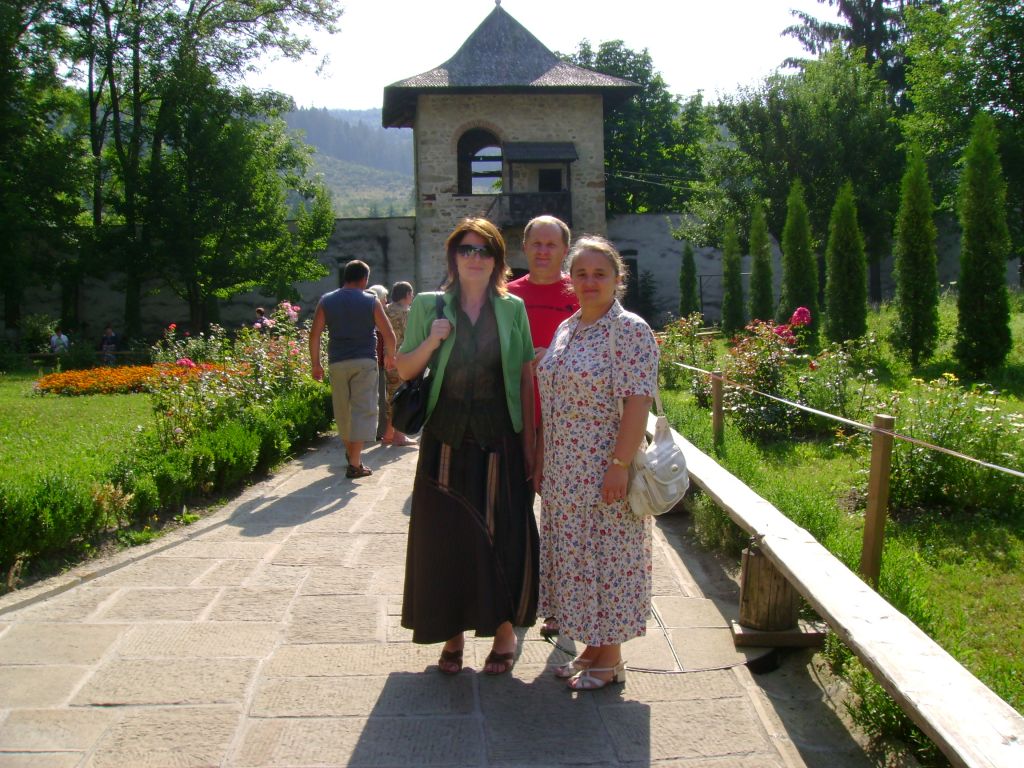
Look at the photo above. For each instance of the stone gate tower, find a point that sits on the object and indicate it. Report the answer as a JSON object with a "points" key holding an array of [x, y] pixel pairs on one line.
{"points": [[506, 130]]}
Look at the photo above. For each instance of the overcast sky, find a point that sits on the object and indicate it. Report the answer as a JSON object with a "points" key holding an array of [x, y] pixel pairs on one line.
{"points": [[706, 45]]}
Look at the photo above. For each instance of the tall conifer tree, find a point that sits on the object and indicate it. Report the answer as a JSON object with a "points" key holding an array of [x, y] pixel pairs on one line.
{"points": [[983, 326], [917, 282], [762, 299], [733, 314], [846, 276], [799, 267], [688, 300]]}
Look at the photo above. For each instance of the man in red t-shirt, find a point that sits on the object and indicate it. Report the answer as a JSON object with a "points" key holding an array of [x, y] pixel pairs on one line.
{"points": [[549, 298], [546, 290]]}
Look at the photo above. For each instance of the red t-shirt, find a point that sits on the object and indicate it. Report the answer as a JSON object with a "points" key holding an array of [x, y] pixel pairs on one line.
{"points": [[546, 307]]}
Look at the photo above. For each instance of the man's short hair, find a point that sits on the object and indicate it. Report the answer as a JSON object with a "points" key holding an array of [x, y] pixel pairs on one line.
{"points": [[355, 271], [400, 290], [546, 219]]}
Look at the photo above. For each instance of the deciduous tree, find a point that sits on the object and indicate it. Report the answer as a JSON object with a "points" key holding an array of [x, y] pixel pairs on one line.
{"points": [[40, 169], [219, 195], [829, 123], [650, 142], [965, 57]]}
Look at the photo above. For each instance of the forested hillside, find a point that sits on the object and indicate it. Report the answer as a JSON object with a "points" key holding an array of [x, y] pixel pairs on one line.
{"points": [[367, 168]]}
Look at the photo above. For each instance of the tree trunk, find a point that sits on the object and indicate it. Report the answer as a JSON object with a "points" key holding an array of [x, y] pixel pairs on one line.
{"points": [[132, 307], [875, 282], [12, 303]]}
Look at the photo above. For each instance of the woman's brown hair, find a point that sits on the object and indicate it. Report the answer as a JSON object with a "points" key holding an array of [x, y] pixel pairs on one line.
{"points": [[495, 246]]}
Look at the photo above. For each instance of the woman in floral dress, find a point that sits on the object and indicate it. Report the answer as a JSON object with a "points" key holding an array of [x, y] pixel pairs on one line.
{"points": [[595, 570]]}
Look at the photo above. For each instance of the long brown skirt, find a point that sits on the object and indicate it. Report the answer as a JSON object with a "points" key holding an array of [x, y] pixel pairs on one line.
{"points": [[471, 560]]}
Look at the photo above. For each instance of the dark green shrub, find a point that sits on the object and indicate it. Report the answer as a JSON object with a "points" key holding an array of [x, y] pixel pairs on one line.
{"points": [[234, 450], [983, 329], [688, 299], [80, 355], [799, 267], [846, 276], [733, 312], [49, 514], [762, 297], [916, 330]]}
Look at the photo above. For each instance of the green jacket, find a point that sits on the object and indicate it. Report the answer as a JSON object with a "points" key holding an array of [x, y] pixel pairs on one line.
{"points": [[513, 334]]}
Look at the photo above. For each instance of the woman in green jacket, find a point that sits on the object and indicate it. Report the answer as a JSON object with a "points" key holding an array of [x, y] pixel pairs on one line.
{"points": [[471, 561]]}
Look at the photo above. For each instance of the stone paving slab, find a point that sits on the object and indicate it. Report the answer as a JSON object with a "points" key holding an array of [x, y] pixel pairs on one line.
{"points": [[40, 760], [268, 604], [202, 640], [168, 681], [51, 730], [405, 694], [375, 741], [74, 606], [228, 573], [57, 644], [179, 736], [158, 604], [270, 635], [38, 686]]}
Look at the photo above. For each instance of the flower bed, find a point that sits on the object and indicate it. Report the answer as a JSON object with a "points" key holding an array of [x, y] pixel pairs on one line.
{"points": [[224, 409], [121, 380]]}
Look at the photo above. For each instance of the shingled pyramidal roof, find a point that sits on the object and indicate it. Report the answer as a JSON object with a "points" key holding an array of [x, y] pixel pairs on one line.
{"points": [[500, 56]]}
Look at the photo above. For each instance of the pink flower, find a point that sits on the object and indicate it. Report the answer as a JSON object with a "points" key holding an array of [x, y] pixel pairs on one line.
{"points": [[187, 334], [801, 317], [184, 362], [172, 327]]}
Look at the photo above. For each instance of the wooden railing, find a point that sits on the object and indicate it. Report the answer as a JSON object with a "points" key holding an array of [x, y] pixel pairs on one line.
{"points": [[972, 726]]}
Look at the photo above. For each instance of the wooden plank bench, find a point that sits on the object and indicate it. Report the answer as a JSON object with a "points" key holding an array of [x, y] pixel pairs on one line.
{"points": [[972, 726]]}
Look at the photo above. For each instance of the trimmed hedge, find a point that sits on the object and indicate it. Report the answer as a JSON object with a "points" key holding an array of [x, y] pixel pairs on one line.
{"points": [[61, 509]]}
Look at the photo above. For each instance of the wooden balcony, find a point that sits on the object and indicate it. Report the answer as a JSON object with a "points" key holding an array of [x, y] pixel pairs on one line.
{"points": [[515, 209]]}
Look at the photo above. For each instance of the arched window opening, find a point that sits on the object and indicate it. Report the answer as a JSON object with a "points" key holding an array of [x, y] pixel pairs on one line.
{"points": [[480, 163]]}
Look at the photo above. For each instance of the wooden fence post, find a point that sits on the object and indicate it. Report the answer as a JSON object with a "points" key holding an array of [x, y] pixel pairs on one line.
{"points": [[717, 416], [878, 500]]}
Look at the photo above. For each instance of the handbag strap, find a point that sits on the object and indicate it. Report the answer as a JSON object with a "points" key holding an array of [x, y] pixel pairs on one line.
{"points": [[612, 332], [439, 308]]}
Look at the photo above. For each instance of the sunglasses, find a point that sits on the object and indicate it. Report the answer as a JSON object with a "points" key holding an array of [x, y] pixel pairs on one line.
{"points": [[480, 251]]}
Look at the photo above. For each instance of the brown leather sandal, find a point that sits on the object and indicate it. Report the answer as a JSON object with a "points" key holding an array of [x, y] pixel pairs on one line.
{"points": [[450, 662], [506, 660], [361, 471]]}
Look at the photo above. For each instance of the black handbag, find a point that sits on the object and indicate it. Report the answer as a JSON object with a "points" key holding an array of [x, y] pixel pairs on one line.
{"points": [[409, 403]]}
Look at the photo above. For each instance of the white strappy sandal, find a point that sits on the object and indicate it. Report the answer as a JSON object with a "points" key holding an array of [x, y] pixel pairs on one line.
{"points": [[570, 668], [586, 680]]}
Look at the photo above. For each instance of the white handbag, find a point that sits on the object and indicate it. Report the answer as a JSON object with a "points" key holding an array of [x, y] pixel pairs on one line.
{"points": [[658, 476]]}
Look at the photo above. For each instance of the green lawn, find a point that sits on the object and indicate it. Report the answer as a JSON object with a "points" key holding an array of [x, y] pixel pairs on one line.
{"points": [[80, 433], [965, 577]]}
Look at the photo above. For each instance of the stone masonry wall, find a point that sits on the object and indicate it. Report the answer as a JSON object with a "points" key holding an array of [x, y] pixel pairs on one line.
{"points": [[442, 119]]}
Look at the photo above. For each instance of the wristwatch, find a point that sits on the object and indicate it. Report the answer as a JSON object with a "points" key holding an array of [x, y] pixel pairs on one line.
{"points": [[618, 463]]}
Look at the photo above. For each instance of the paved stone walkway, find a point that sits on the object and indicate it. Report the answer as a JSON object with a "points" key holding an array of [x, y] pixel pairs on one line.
{"points": [[268, 635]]}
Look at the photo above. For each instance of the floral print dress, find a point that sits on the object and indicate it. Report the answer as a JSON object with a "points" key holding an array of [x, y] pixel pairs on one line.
{"points": [[595, 558]]}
